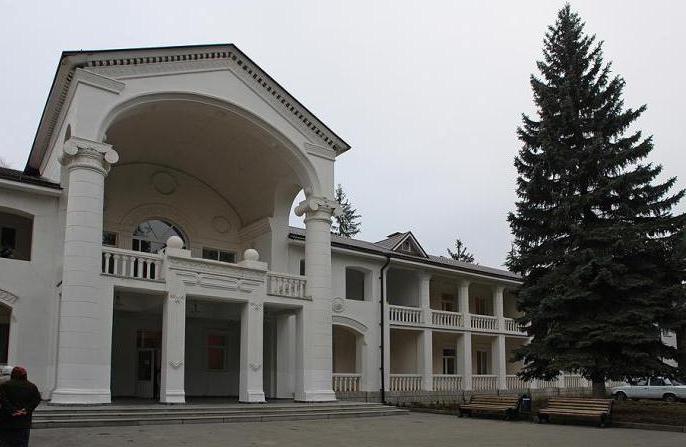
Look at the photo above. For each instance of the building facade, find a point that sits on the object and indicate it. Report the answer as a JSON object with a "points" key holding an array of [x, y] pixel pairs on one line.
{"points": [[147, 252]]}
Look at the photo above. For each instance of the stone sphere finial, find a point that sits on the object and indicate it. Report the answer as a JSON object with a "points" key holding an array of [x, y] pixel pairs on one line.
{"points": [[251, 255], [175, 242]]}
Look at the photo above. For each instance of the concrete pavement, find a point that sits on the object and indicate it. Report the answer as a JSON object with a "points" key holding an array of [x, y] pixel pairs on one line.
{"points": [[415, 429]]}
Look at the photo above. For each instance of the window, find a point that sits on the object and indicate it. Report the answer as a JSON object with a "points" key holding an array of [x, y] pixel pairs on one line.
{"points": [[216, 352], [151, 236], [448, 303], [480, 306], [482, 362], [15, 236], [302, 267], [354, 284], [218, 255], [657, 381], [109, 238], [449, 361]]}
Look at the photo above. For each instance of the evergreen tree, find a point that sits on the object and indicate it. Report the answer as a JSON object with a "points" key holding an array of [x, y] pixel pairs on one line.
{"points": [[593, 232], [461, 253], [347, 222]]}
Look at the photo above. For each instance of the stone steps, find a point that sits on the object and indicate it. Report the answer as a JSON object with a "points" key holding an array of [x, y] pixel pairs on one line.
{"points": [[60, 417]]}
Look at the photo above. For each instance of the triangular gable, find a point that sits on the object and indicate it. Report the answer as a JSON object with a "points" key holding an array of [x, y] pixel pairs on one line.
{"points": [[409, 245]]}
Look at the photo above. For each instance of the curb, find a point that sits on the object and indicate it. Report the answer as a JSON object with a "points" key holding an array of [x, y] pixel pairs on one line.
{"points": [[634, 425], [646, 426]]}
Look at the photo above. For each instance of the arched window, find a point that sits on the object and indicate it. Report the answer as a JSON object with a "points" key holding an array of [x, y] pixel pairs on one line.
{"points": [[151, 236]]}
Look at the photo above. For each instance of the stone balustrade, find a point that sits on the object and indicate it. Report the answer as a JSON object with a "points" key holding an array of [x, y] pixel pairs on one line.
{"points": [[447, 382], [515, 383], [286, 285], [131, 264], [405, 382], [484, 382], [346, 383], [484, 323], [447, 319], [405, 315]]}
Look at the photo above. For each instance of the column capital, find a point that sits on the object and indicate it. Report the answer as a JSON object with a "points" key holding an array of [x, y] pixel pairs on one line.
{"points": [[314, 207], [81, 153]]}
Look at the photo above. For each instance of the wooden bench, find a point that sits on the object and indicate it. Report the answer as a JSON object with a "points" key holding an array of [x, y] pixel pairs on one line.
{"points": [[508, 406], [599, 410]]}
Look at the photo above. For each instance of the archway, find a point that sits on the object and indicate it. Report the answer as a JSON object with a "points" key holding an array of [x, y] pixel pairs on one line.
{"points": [[348, 358]]}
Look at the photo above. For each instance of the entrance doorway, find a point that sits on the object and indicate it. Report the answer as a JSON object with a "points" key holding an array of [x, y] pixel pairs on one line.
{"points": [[148, 365]]}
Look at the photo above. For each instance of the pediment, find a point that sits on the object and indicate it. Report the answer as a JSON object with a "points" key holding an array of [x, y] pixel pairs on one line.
{"points": [[409, 245], [128, 63]]}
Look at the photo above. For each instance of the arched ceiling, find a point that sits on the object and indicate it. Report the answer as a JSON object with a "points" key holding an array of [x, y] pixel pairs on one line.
{"points": [[240, 160]]}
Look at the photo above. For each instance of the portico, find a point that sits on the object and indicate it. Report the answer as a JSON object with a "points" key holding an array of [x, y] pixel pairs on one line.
{"points": [[199, 152]]}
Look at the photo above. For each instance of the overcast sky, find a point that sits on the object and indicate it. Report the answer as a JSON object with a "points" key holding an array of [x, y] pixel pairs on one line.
{"points": [[428, 93]]}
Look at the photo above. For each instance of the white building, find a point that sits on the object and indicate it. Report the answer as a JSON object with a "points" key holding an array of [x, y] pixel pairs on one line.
{"points": [[198, 147]]}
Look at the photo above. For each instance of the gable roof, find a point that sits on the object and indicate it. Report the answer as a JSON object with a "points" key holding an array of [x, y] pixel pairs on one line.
{"points": [[290, 107], [396, 241], [383, 248]]}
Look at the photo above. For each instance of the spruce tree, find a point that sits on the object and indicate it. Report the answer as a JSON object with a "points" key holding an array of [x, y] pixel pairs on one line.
{"points": [[347, 222], [461, 252], [593, 228]]}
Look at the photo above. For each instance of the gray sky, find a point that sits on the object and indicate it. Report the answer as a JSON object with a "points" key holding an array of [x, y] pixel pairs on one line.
{"points": [[428, 93]]}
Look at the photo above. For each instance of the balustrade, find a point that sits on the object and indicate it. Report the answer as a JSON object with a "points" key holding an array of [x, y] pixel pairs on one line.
{"points": [[484, 382], [404, 315], [131, 264], [515, 383], [447, 319], [512, 326], [406, 382], [447, 382], [346, 383], [484, 322], [285, 285]]}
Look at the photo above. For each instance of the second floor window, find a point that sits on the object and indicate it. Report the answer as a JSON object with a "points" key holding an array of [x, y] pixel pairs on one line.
{"points": [[218, 255]]}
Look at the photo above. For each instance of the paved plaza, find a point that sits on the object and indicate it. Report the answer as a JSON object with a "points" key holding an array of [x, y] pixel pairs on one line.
{"points": [[415, 429]]}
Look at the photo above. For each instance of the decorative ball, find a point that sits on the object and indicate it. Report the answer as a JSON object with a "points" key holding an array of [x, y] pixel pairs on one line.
{"points": [[251, 255], [175, 242]]}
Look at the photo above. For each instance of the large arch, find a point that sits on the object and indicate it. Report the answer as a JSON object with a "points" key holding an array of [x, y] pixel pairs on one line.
{"points": [[306, 172]]}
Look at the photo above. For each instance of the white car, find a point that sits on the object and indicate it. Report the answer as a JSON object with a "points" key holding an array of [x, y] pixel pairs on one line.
{"points": [[669, 390]]}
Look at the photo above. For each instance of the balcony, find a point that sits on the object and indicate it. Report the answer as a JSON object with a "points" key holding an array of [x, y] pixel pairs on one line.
{"points": [[247, 275], [484, 323]]}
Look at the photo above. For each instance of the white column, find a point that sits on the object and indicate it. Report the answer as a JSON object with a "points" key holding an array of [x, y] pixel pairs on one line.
{"points": [[172, 387], [285, 356], [250, 387], [500, 361], [463, 302], [426, 359], [425, 297], [313, 322], [498, 306], [464, 357], [85, 317]]}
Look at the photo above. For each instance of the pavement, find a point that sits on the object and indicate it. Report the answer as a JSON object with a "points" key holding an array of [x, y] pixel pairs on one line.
{"points": [[415, 429]]}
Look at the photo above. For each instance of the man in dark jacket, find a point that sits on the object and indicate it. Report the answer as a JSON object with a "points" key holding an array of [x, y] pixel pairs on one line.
{"points": [[18, 399]]}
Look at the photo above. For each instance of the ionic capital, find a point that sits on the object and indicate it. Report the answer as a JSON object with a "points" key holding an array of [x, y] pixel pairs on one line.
{"points": [[86, 154], [318, 207]]}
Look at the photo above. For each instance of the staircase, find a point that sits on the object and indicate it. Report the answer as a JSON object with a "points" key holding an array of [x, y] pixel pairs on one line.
{"points": [[156, 414]]}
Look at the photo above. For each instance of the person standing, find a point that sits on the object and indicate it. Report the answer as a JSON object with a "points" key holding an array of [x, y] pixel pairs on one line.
{"points": [[18, 399]]}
